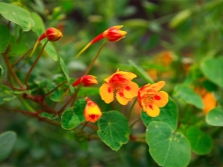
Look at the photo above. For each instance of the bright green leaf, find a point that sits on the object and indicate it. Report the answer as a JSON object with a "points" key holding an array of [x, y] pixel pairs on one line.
{"points": [[113, 129], [201, 143], [49, 116], [66, 74], [138, 70], [167, 148], [188, 95], [215, 117], [180, 18], [51, 51], [73, 116], [4, 37], [16, 15], [168, 114], [213, 70], [7, 142]]}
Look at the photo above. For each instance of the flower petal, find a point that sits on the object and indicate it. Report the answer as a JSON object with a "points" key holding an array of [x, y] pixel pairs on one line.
{"points": [[106, 93], [157, 86], [121, 99], [131, 90], [161, 98], [152, 110], [121, 74]]}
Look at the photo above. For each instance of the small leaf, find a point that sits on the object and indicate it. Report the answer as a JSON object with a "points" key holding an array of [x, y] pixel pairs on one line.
{"points": [[4, 37], [180, 18], [73, 116], [66, 74], [7, 142], [215, 117], [187, 94], [49, 116], [16, 15], [167, 148], [168, 114], [201, 143], [141, 72], [113, 129], [213, 70]]}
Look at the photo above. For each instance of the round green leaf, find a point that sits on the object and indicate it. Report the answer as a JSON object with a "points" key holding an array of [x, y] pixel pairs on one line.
{"points": [[213, 70], [113, 129], [4, 38], [215, 117], [167, 148], [201, 143], [16, 15], [7, 142], [73, 116], [168, 114], [188, 95]]}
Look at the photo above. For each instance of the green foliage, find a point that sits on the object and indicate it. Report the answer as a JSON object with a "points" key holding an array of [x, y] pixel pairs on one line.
{"points": [[113, 129], [7, 142], [168, 114], [213, 69], [187, 94], [168, 148], [5, 37], [215, 117], [73, 116], [201, 143], [17, 15]]}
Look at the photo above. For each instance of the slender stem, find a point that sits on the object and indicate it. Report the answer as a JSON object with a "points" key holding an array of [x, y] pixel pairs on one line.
{"points": [[12, 87], [131, 108], [48, 93], [137, 120], [85, 124], [96, 56], [21, 57], [10, 68], [33, 65], [27, 105]]}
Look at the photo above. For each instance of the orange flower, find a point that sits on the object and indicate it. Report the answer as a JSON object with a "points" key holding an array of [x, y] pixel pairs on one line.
{"points": [[92, 112], [52, 34], [119, 84], [150, 99], [112, 34], [86, 80]]}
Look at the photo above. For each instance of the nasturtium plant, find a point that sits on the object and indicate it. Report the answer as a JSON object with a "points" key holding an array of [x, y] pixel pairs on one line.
{"points": [[137, 93]]}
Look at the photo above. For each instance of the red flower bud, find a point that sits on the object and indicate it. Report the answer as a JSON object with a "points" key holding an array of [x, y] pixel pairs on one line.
{"points": [[114, 33], [52, 34], [92, 112], [86, 80]]}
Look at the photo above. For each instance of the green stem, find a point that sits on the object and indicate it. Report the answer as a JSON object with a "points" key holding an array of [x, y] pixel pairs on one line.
{"points": [[131, 108], [48, 93], [85, 124], [95, 58], [33, 65], [29, 108], [137, 120], [21, 57]]}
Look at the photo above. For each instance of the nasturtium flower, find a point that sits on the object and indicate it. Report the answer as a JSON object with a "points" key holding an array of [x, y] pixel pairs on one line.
{"points": [[112, 34], [119, 85], [150, 98], [52, 34], [86, 80], [92, 112]]}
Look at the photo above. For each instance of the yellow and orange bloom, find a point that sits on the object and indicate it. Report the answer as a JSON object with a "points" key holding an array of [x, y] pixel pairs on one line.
{"points": [[150, 98], [119, 85], [86, 80], [92, 112], [52, 34], [112, 34]]}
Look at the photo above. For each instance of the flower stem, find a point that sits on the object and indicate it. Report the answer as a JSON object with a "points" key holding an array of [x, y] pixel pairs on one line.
{"points": [[48, 93], [96, 56], [137, 120], [130, 110], [10, 67], [34, 64]]}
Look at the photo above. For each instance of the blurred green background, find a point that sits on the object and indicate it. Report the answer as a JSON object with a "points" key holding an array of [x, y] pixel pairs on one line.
{"points": [[167, 38]]}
